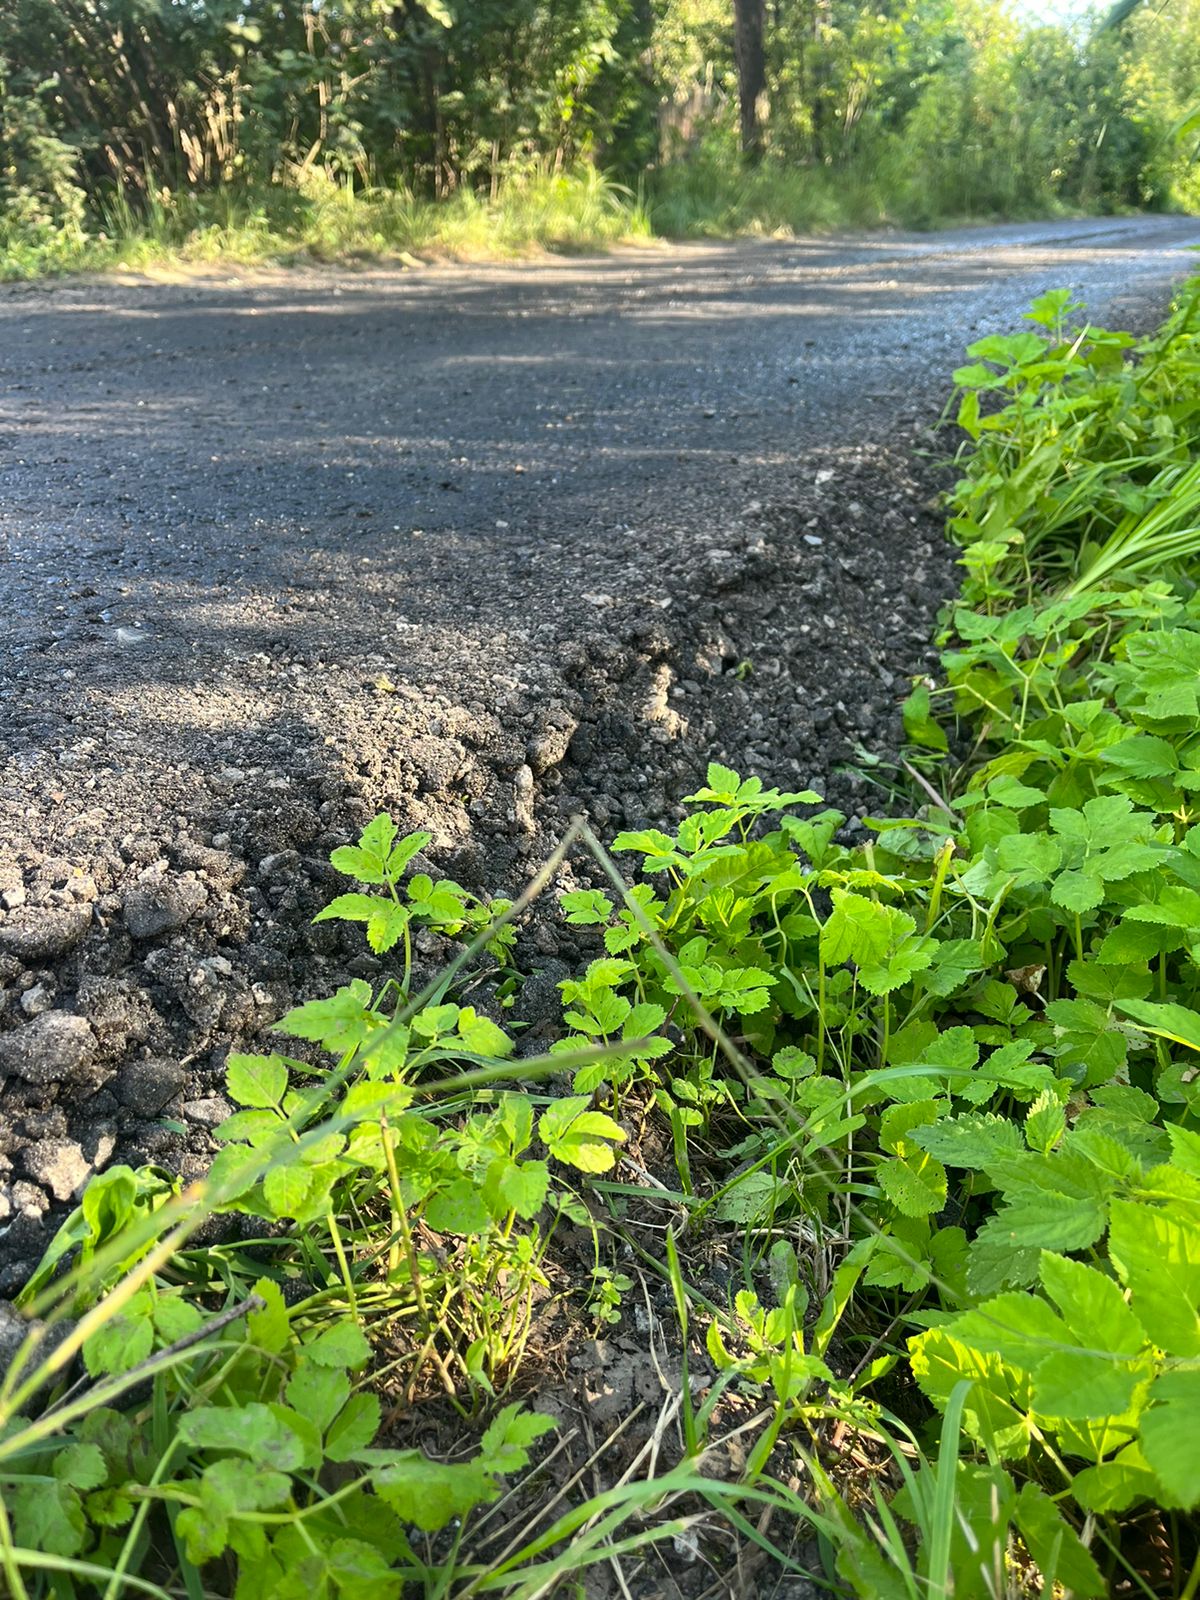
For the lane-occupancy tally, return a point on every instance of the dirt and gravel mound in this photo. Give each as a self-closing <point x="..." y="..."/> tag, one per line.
<point x="132" y="958"/>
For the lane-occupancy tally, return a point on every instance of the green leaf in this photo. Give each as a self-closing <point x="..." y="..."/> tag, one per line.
<point x="1165" y="1020"/>
<point x="1078" y="891"/>
<point x="940" y="1361"/>
<point x="505" y="1445"/>
<point x="973" y="1140"/>
<point x="1158" y="1258"/>
<point x="1009" y="791"/>
<point x="1174" y="906"/>
<point x="119" y="1345"/>
<point x="269" y="1328"/>
<point x="954" y="962"/>
<point x="749" y="1199"/>
<point x="368" y="860"/>
<point x="1078" y="1385"/>
<point x="1185" y="1148"/>
<point x="429" y="1494"/>
<point x="1115" y="1485"/>
<point x="658" y="848"/>
<point x="899" y="1121"/>
<point x="910" y="956"/>
<point x="1170" y="1437"/>
<point x="1020" y="1328"/>
<point x="350" y="908"/>
<point x="857" y="929"/>
<point x="48" y="1518"/>
<point x="109" y="1508"/>
<point x="1092" y="1305"/>
<point x="586" y="908"/>
<point x="518" y="1186"/>
<point x="401" y="854"/>
<point x="1056" y="1548"/>
<point x="343" y="1345"/>
<point x="354" y="1428"/>
<point x="361" y="1572"/>
<point x="916" y="1185"/>
<point x="482" y="1036"/>
<point x="318" y="1392"/>
<point x="250" y="1429"/>
<point x="1033" y="857"/>
<point x="920" y="725"/>
<point x="1046" y="1122"/>
<point x="386" y="925"/>
<point x="340" y="1023"/>
<point x="82" y="1466"/>
<point x="578" y="1136"/>
<point x="256" y="1080"/>
<point x="287" y="1187"/>
<point x="459" y="1208"/>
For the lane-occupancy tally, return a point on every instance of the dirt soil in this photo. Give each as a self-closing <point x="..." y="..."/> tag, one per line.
<point x="482" y="546"/>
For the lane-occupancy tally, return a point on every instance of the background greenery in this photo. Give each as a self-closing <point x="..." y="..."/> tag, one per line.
<point x="245" y="126"/>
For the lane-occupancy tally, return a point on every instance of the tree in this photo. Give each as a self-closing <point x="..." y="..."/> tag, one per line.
<point x="748" y="25"/>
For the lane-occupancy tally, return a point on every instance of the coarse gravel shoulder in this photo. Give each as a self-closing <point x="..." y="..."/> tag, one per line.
<point x="484" y="546"/>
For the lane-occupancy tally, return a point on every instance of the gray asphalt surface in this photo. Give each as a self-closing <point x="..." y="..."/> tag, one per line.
<point x="479" y="544"/>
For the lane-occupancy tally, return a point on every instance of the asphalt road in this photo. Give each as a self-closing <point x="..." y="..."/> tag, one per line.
<point x="480" y="544"/>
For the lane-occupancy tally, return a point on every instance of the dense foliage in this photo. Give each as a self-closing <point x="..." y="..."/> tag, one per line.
<point x="940" y="1091"/>
<point x="255" y="117"/>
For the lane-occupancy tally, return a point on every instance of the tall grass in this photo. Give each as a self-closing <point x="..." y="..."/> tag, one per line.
<point x="534" y="210"/>
<point x="711" y="194"/>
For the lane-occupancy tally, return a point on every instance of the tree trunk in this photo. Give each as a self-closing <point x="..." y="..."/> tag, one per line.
<point x="751" y="72"/>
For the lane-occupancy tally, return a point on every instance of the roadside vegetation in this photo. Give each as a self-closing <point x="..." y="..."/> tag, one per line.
<point x="135" y="132"/>
<point x="934" y="1098"/>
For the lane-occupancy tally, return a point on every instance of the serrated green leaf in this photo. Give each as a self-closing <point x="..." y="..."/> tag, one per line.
<point x="82" y="1466"/>
<point x="354" y="1428"/>
<point x="1078" y="1385"/>
<point x="586" y="908"/>
<point x="1078" y="891"/>
<point x="578" y="1136"/>
<point x="748" y="1200"/>
<point x="1170" y="1437"/>
<point x="1055" y="1546"/>
<point x="972" y="1140"/>
<point x="269" y="1328"/>
<point x="459" y="1208"/>
<point x="386" y="925"/>
<point x="1158" y="1258"/>
<point x="429" y="1494"/>
<point x="340" y="1023"/>
<point x="350" y="908"/>
<point x="250" y="1429"/>
<point x="286" y="1188"/>
<point x="1117" y="1484"/>
<point x="916" y="1185"/>
<point x="318" y="1392"/>
<point x="857" y="929"/>
<point x="506" y="1442"/>
<point x="256" y="1080"/>
<point x="1046" y="1122"/>
<point x="1009" y="791"/>
<point x="518" y="1186"/>
<point x="343" y="1345"/>
<point x="481" y="1036"/>
<point x="954" y="962"/>
<point x="1020" y="1328"/>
